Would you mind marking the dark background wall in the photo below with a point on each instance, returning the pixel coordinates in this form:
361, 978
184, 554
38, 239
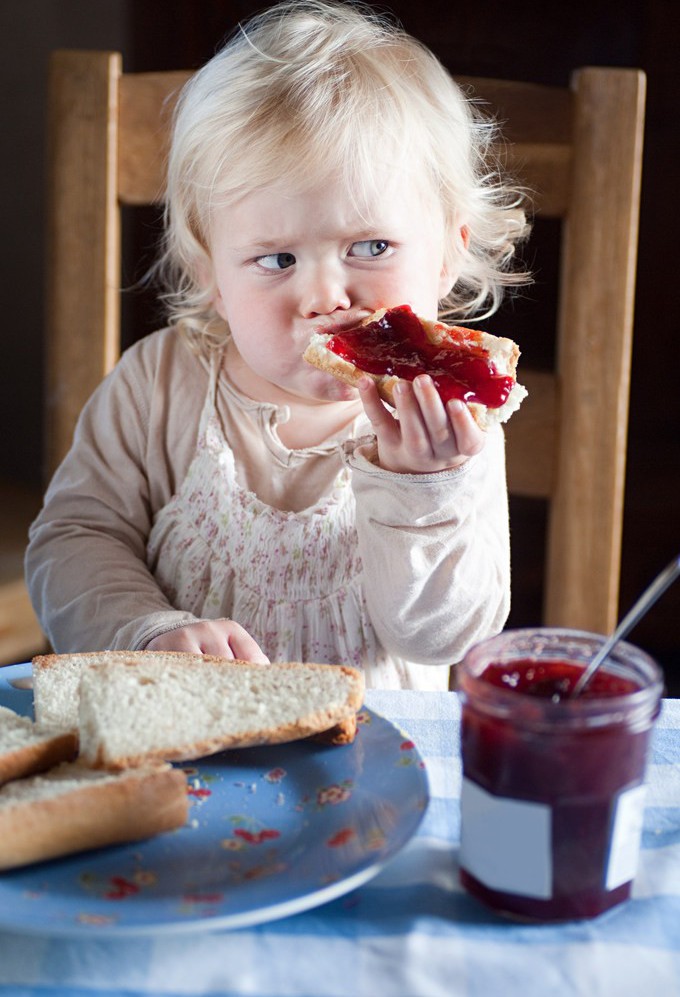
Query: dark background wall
537, 42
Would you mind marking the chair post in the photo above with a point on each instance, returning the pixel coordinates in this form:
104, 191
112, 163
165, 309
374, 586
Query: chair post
598, 279
83, 238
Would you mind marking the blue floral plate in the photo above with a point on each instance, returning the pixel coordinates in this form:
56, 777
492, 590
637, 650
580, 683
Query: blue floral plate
272, 831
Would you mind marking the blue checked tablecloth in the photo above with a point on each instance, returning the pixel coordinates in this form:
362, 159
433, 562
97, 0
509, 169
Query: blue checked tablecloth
410, 932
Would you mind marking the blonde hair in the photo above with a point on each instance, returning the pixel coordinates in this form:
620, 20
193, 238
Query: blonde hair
309, 88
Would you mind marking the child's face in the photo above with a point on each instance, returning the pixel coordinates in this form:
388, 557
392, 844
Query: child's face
288, 263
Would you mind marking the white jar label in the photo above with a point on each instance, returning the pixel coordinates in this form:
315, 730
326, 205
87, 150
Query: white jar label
505, 843
624, 848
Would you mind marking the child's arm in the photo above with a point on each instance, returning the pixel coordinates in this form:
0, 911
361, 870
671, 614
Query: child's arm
86, 563
435, 553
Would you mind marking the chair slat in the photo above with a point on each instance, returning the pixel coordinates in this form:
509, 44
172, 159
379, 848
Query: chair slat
146, 104
20, 633
545, 170
526, 112
531, 469
83, 324
595, 342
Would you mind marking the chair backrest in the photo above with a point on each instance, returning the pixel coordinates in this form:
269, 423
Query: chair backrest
579, 148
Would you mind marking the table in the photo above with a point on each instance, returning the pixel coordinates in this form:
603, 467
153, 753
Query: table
411, 931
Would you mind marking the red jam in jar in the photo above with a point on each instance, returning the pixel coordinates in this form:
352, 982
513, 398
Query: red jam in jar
396, 344
555, 680
553, 786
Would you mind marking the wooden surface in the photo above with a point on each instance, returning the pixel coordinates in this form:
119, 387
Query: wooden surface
20, 633
594, 349
536, 123
83, 301
146, 102
532, 469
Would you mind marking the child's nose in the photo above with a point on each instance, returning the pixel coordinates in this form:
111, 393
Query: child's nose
323, 293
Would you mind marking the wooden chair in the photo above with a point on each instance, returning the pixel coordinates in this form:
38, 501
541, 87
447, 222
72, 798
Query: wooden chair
20, 633
578, 148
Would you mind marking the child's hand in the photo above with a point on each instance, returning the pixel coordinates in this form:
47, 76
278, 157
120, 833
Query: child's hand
428, 436
223, 638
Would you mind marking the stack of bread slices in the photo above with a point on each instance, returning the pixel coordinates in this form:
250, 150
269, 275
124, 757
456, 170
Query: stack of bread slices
94, 768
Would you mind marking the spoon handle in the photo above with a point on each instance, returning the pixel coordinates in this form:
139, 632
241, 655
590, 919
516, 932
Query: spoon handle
646, 600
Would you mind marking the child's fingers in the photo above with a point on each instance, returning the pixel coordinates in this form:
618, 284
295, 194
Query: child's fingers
425, 435
451, 430
470, 438
244, 647
435, 418
222, 638
380, 417
412, 420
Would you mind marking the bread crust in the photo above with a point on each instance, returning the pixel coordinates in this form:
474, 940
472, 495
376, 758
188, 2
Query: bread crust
502, 351
27, 748
98, 657
342, 733
332, 726
38, 757
134, 806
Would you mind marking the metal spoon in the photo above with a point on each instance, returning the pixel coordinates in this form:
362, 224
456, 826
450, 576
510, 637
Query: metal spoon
646, 600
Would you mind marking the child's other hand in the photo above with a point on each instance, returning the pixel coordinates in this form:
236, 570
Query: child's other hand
223, 638
428, 436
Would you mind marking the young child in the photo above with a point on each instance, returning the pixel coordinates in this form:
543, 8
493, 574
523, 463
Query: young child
222, 495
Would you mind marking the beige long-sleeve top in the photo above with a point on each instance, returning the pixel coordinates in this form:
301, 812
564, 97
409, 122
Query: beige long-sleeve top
434, 548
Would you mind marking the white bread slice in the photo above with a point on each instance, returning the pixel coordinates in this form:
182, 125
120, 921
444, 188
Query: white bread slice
132, 707
27, 748
73, 809
56, 689
503, 353
56, 678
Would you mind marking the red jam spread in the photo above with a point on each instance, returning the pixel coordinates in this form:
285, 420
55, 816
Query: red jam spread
555, 680
396, 345
577, 771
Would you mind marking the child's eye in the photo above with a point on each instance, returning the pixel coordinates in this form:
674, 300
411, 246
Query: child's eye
277, 261
369, 248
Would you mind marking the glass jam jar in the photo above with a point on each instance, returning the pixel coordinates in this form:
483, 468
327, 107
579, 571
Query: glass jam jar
553, 795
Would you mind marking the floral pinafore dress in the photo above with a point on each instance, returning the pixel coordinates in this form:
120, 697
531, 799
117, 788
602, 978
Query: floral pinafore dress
292, 579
